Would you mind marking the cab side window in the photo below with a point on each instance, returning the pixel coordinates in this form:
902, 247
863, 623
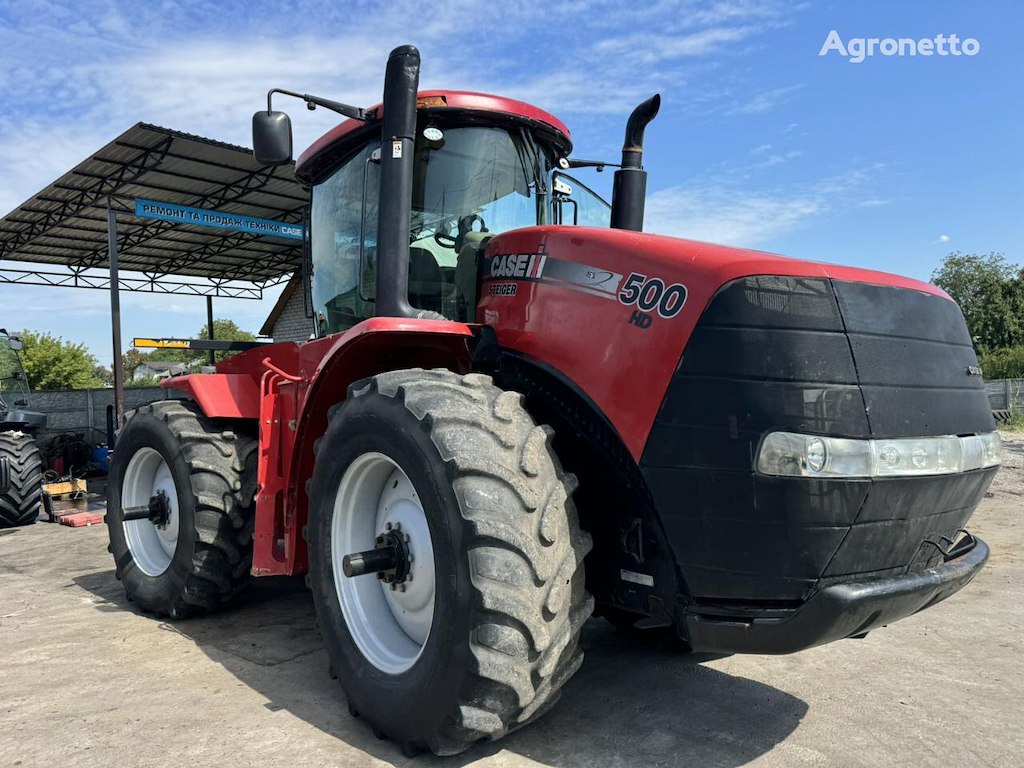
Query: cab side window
344, 244
575, 204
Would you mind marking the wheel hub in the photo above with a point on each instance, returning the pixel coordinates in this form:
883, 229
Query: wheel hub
157, 510
389, 559
149, 508
379, 527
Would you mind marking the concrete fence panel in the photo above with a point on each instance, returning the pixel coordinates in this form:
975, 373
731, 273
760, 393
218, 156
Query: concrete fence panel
84, 411
1004, 394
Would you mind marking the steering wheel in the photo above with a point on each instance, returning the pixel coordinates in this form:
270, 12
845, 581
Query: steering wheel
465, 227
443, 235
444, 239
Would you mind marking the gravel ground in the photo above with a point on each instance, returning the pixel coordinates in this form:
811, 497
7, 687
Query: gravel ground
1011, 479
85, 681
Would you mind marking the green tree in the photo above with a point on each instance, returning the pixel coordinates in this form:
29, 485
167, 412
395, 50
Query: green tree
105, 375
225, 330
991, 294
1005, 363
145, 381
52, 363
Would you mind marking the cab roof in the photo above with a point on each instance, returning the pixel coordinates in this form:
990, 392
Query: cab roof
439, 100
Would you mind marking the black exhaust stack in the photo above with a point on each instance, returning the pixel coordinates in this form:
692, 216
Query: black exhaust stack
629, 190
398, 136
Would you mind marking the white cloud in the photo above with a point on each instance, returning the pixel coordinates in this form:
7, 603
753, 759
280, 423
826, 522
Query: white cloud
645, 48
733, 215
777, 158
765, 101
942, 239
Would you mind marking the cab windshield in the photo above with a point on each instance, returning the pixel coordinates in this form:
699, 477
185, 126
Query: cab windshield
469, 182
474, 179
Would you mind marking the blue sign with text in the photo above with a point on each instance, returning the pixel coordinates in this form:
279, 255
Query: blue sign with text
183, 214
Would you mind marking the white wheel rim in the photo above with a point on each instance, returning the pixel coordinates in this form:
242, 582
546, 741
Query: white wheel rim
152, 547
390, 627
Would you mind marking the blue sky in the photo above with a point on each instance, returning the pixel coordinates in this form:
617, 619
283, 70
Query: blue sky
889, 163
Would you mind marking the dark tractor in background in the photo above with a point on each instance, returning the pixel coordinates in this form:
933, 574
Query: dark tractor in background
21, 463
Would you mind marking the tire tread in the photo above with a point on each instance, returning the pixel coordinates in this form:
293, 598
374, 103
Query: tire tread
222, 473
20, 504
526, 548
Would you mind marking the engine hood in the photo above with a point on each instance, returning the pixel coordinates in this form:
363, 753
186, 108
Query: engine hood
719, 263
613, 310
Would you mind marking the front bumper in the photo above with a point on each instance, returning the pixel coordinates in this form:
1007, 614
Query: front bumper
837, 611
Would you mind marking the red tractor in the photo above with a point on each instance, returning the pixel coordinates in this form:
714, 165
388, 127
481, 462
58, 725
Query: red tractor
514, 415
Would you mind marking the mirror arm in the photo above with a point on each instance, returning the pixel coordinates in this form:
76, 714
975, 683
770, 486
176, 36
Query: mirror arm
312, 102
575, 162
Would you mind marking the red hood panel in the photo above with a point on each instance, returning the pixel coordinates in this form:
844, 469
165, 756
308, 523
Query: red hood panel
570, 309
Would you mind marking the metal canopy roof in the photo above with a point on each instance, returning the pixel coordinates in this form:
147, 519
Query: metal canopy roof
65, 225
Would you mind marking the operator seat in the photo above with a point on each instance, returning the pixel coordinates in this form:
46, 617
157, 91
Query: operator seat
427, 285
467, 272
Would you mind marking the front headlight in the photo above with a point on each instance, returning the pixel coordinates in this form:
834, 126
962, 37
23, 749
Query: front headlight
788, 454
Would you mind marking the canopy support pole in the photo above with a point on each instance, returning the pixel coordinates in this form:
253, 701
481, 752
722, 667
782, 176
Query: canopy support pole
209, 327
115, 317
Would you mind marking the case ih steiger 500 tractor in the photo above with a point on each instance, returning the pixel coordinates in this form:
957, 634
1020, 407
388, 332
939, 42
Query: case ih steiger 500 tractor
514, 415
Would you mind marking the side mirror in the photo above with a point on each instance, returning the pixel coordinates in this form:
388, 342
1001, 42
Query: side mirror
14, 342
272, 137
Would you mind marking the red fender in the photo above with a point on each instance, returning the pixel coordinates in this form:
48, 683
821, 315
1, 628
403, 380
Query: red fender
289, 388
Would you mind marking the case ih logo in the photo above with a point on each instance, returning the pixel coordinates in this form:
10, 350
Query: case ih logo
528, 265
648, 296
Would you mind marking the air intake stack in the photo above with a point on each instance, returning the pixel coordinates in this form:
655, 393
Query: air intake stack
629, 190
398, 134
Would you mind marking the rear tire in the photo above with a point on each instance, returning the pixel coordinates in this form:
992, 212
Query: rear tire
19, 505
201, 558
506, 548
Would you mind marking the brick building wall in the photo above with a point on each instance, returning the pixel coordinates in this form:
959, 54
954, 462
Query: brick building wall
288, 321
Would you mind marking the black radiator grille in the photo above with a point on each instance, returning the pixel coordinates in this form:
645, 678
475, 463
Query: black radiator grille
817, 356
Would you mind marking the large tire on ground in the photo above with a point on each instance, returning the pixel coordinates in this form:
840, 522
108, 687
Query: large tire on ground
201, 558
19, 505
483, 637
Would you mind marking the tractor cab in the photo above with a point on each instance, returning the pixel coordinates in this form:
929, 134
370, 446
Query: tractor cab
482, 165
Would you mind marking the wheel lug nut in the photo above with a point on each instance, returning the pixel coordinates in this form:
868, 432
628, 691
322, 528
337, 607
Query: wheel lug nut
387, 526
398, 526
393, 586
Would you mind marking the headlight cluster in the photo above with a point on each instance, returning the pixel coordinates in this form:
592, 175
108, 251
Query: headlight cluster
791, 455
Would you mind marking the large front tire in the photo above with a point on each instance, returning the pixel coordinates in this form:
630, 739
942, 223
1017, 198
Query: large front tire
19, 504
201, 556
500, 555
